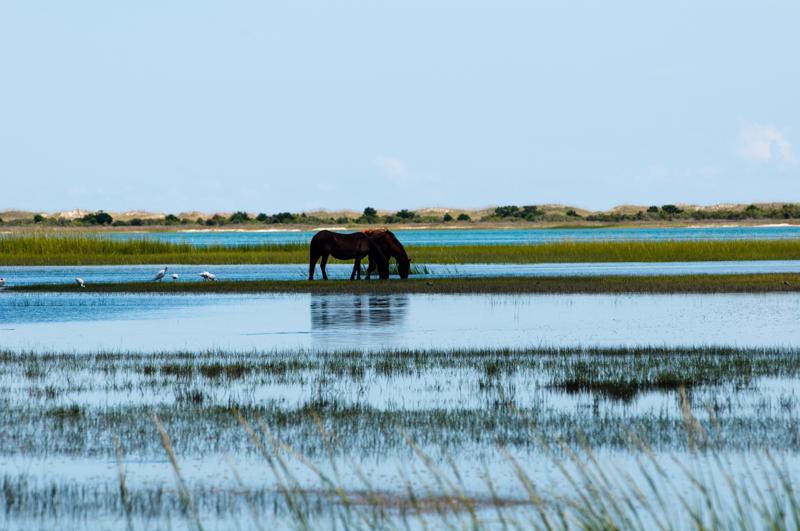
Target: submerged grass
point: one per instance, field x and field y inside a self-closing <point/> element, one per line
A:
<point x="703" y="488"/>
<point x="746" y="283"/>
<point x="456" y="396"/>
<point x="187" y="409"/>
<point x="62" y="249"/>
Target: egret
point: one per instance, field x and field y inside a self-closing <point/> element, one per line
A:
<point x="160" y="274"/>
<point x="208" y="276"/>
<point x="174" y="276"/>
<point x="79" y="281"/>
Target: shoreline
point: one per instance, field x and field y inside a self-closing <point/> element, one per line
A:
<point x="476" y="225"/>
<point x="678" y="284"/>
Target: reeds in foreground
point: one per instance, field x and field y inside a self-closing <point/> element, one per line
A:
<point x="703" y="489"/>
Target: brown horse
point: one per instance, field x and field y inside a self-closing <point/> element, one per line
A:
<point x="346" y="247"/>
<point x="391" y="247"/>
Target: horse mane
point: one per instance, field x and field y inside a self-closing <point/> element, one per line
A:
<point x="398" y="252"/>
<point x="400" y="249"/>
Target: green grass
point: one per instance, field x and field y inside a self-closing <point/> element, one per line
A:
<point x="61" y="249"/>
<point x="753" y="283"/>
<point x="87" y="250"/>
<point x="661" y="251"/>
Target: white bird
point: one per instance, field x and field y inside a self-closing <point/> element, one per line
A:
<point x="160" y="274"/>
<point x="2" y="282"/>
<point x="174" y="276"/>
<point x="208" y="276"/>
<point x="79" y="281"/>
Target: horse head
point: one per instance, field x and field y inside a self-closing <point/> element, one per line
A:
<point x="399" y="254"/>
<point x="403" y="268"/>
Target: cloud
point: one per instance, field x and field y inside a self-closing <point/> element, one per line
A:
<point x="765" y="144"/>
<point x="392" y="167"/>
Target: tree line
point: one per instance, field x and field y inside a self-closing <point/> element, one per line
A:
<point x="513" y="213"/>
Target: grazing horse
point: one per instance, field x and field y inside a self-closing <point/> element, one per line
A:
<point x="391" y="247"/>
<point x="345" y="247"/>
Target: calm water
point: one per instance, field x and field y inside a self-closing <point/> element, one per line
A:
<point x="123" y="322"/>
<point x="61" y="472"/>
<point x="25" y="275"/>
<point x="483" y="236"/>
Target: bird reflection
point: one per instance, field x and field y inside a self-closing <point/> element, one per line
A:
<point x="356" y="318"/>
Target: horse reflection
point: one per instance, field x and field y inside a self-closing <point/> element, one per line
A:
<point x="357" y="313"/>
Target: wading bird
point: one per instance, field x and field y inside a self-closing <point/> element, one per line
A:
<point x="174" y="276"/>
<point x="79" y="281"/>
<point x="2" y="282"/>
<point x="208" y="276"/>
<point x="160" y="275"/>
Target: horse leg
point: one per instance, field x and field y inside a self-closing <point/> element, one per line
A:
<point x="356" y="269"/>
<point x="370" y="269"/>
<point x="322" y="265"/>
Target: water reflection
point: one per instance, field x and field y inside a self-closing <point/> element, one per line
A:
<point x="88" y="322"/>
<point x="353" y="319"/>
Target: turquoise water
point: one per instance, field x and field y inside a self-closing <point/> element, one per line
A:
<point x="483" y="236"/>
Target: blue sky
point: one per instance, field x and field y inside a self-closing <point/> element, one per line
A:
<point x="268" y="106"/>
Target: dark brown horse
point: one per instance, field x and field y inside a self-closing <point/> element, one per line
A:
<point x="391" y="247"/>
<point x="346" y="247"/>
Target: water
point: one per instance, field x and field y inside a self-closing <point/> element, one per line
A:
<point x="27" y="275"/>
<point x="481" y="236"/>
<point x="68" y="465"/>
<point x="85" y="322"/>
<point x="59" y="469"/>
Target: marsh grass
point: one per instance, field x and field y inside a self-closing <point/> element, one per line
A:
<point x="600" y="496"/>
<point x="611" y="251"/>
<point x="75" y="249"/>
<point x="736" y="283"/>
<point x="72" y="249"/>
<point x="646" y="371"/>
<point x="702" y="488"/>
<point x="498" y="395"/>
<point x="305" y="445"/>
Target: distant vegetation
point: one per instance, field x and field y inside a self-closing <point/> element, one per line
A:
<point x="44" y="249"/>
<point x="653" y="213"/>
<point x="370" y="215"/>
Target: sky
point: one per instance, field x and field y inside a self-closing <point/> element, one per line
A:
<point x="176" y="105"/>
